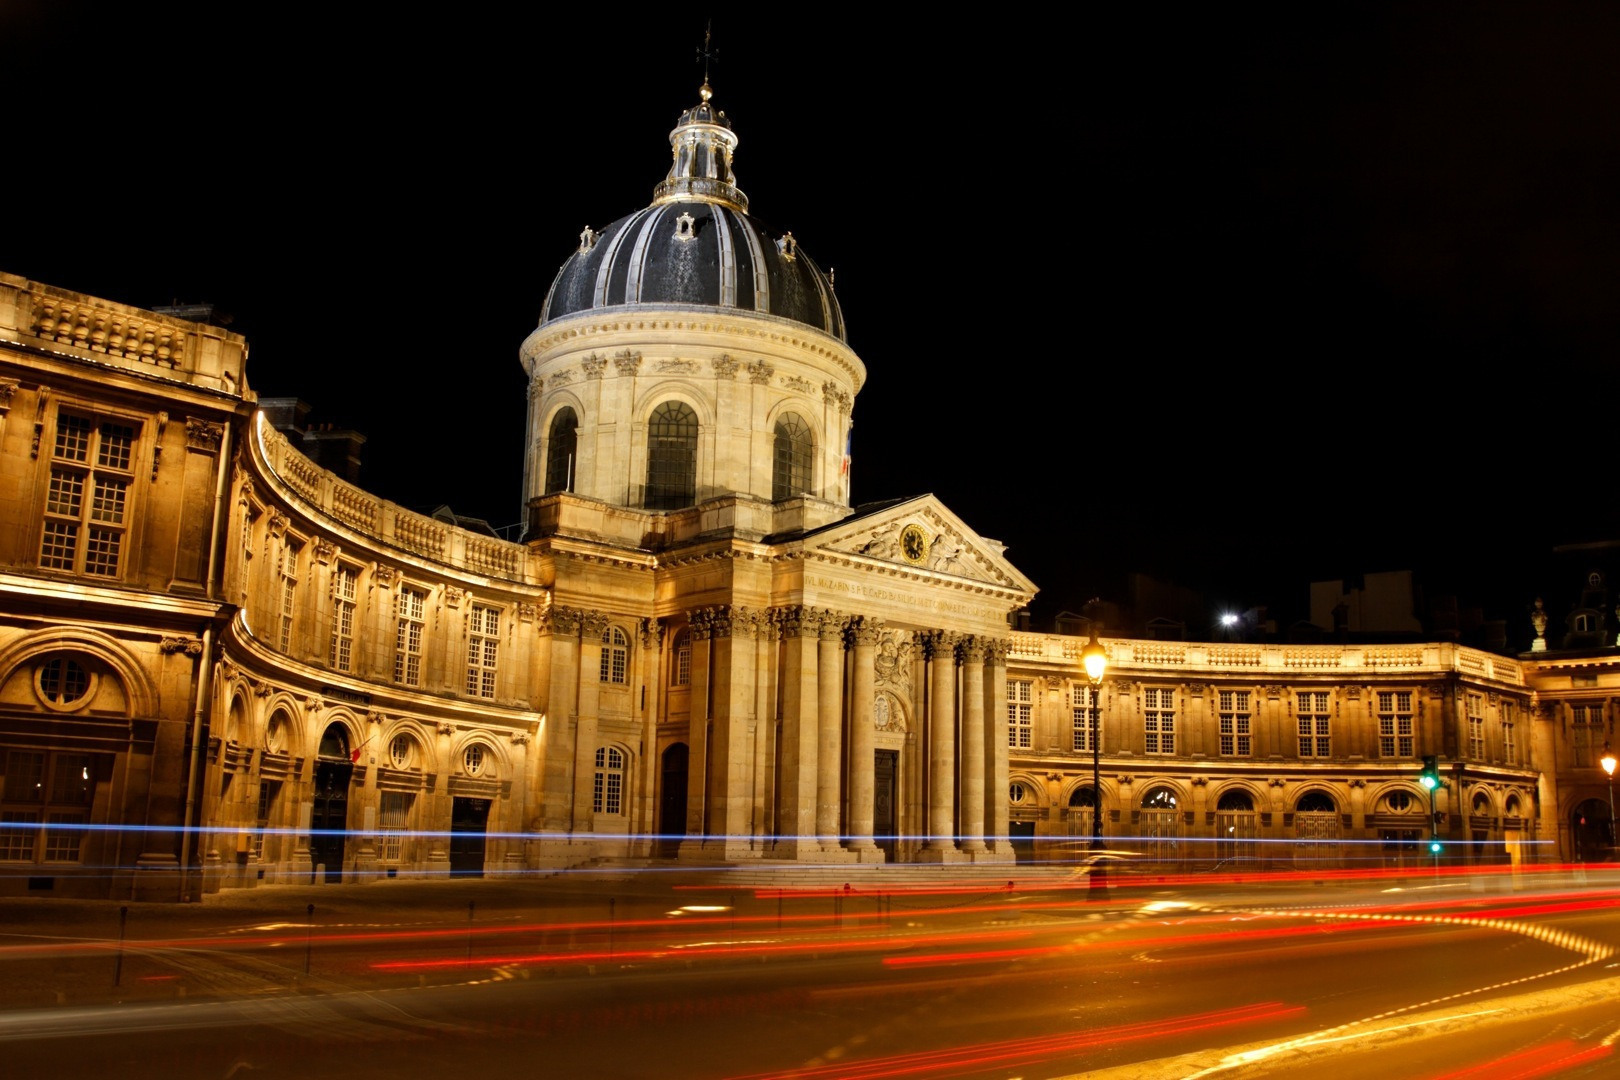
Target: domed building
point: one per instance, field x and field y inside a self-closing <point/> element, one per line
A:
<point x="782" y="668"/>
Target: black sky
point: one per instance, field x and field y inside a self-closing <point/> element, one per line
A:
<point x="1243" y="299"/>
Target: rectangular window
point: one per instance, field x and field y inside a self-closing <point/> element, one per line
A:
<point x="47" y="800"/>
<point x="1084" y="702"/>
<point x="483" y="644"/>
<point x="1312" y="717"/>
<point x="1475" y="704"/>
<point x="1235" y="717"/>
<point x="408" y="637"/>
<point x="394" y="813"/>
<point x="1395" y="723"/>
<point x="86" y="501"/>
<point x="343" y="592"/>
<point x="1586" y="733"/>
<point x="1020" y="713"/>
<point x="1510" y="748"/>
<point x="1159" y="720"/>
<point x="289" y="592"/>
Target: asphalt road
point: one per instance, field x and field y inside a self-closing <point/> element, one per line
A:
<point x="704" y="976"/>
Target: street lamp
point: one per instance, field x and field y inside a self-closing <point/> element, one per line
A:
<point x="1607" y="761"/>
<point x="1094" y="658"/>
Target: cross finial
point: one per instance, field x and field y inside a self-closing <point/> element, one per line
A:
<point x="705" y="53"/>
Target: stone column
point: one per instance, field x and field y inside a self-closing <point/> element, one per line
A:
<point x="561" y="708"/>
<point x="796" y="795"/>
<point x="941" y="652"/>
<point x="829" y="741"/>
<point x="764" y="729"/>
<point x="972" y="756"/>
<point x="996" y="811"/>
<point x="697" y="740"/>
<point x="730" y="795"/>
<point x="864" y="633"/>
<point x="650" y="667"/>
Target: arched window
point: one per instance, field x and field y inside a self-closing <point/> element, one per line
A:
<point x="615" y="655"/>
<point x="63" y="681"/>
<point x="1083" y="798"/>
<point x="682" y="675"/>
<point x="1315" y="802"/>
<point x="1235" y="802"/>
<point x="560" y="451"/>
<point x="608" y="792"/>
<point x="790" y="471"/>
<point x="335" y="742"/>
<point x="672" y="436"/>
<point x="402" y="752"/>
<point x="1159" y="799"/>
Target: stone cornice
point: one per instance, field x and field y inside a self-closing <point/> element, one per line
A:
<point x="636" y="321"/>
<point x="911" y="573"/>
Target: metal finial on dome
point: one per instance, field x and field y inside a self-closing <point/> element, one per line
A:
<point x="705" y="53"/>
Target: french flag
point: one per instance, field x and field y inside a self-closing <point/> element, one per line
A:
<point x="844" y="469"/>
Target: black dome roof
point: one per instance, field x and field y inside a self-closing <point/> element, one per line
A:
<point x="696" y="245"/>
<point x="701" y="253"/>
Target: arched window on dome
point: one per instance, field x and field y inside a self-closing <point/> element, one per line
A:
<point x="790" y="472"/>
<point x="672" y="435"/>
<point x="560" y="451"/>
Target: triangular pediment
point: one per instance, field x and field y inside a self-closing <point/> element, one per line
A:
<point x="923" y="536"/>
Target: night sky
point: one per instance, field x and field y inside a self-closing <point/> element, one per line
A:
<point x="1239" y="298"/>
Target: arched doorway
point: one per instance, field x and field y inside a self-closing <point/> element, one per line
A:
<point x="1022" y="809"/>
<point x="1589" y="832"/>
<point x="329" y="817"/>
<point x="1159" y="827"/>
<point x="672" y="800"/>
<point x="1084" y="819"/>
<point x="1316" y="831"/>
<point x="1236" y="830"/>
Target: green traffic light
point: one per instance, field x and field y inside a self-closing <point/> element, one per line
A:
<point x="1434" y="847"/>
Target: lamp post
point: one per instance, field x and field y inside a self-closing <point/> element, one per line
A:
<point x="1094" y="658"/>
<point x="1607" y="761"/>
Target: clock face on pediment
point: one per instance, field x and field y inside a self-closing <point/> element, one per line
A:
<point x="914" y="544"/>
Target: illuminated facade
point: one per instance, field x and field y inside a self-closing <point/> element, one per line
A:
<point x="218" y="655"/>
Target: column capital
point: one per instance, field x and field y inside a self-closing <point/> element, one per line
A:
<point x="865" y="630"/>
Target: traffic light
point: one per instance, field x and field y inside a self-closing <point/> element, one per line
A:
<point x="1430" y="776"/>
<point x="1434" y="847"/>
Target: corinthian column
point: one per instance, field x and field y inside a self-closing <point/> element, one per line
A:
<point x="796" y="790"/>
<point x="829" y="752"/>
<point x="972" y="650"/>
<point x="941" y="653"/>
<point x="864" y="633"/>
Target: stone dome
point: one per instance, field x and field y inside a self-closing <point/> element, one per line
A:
<point x="696" y="245"/>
